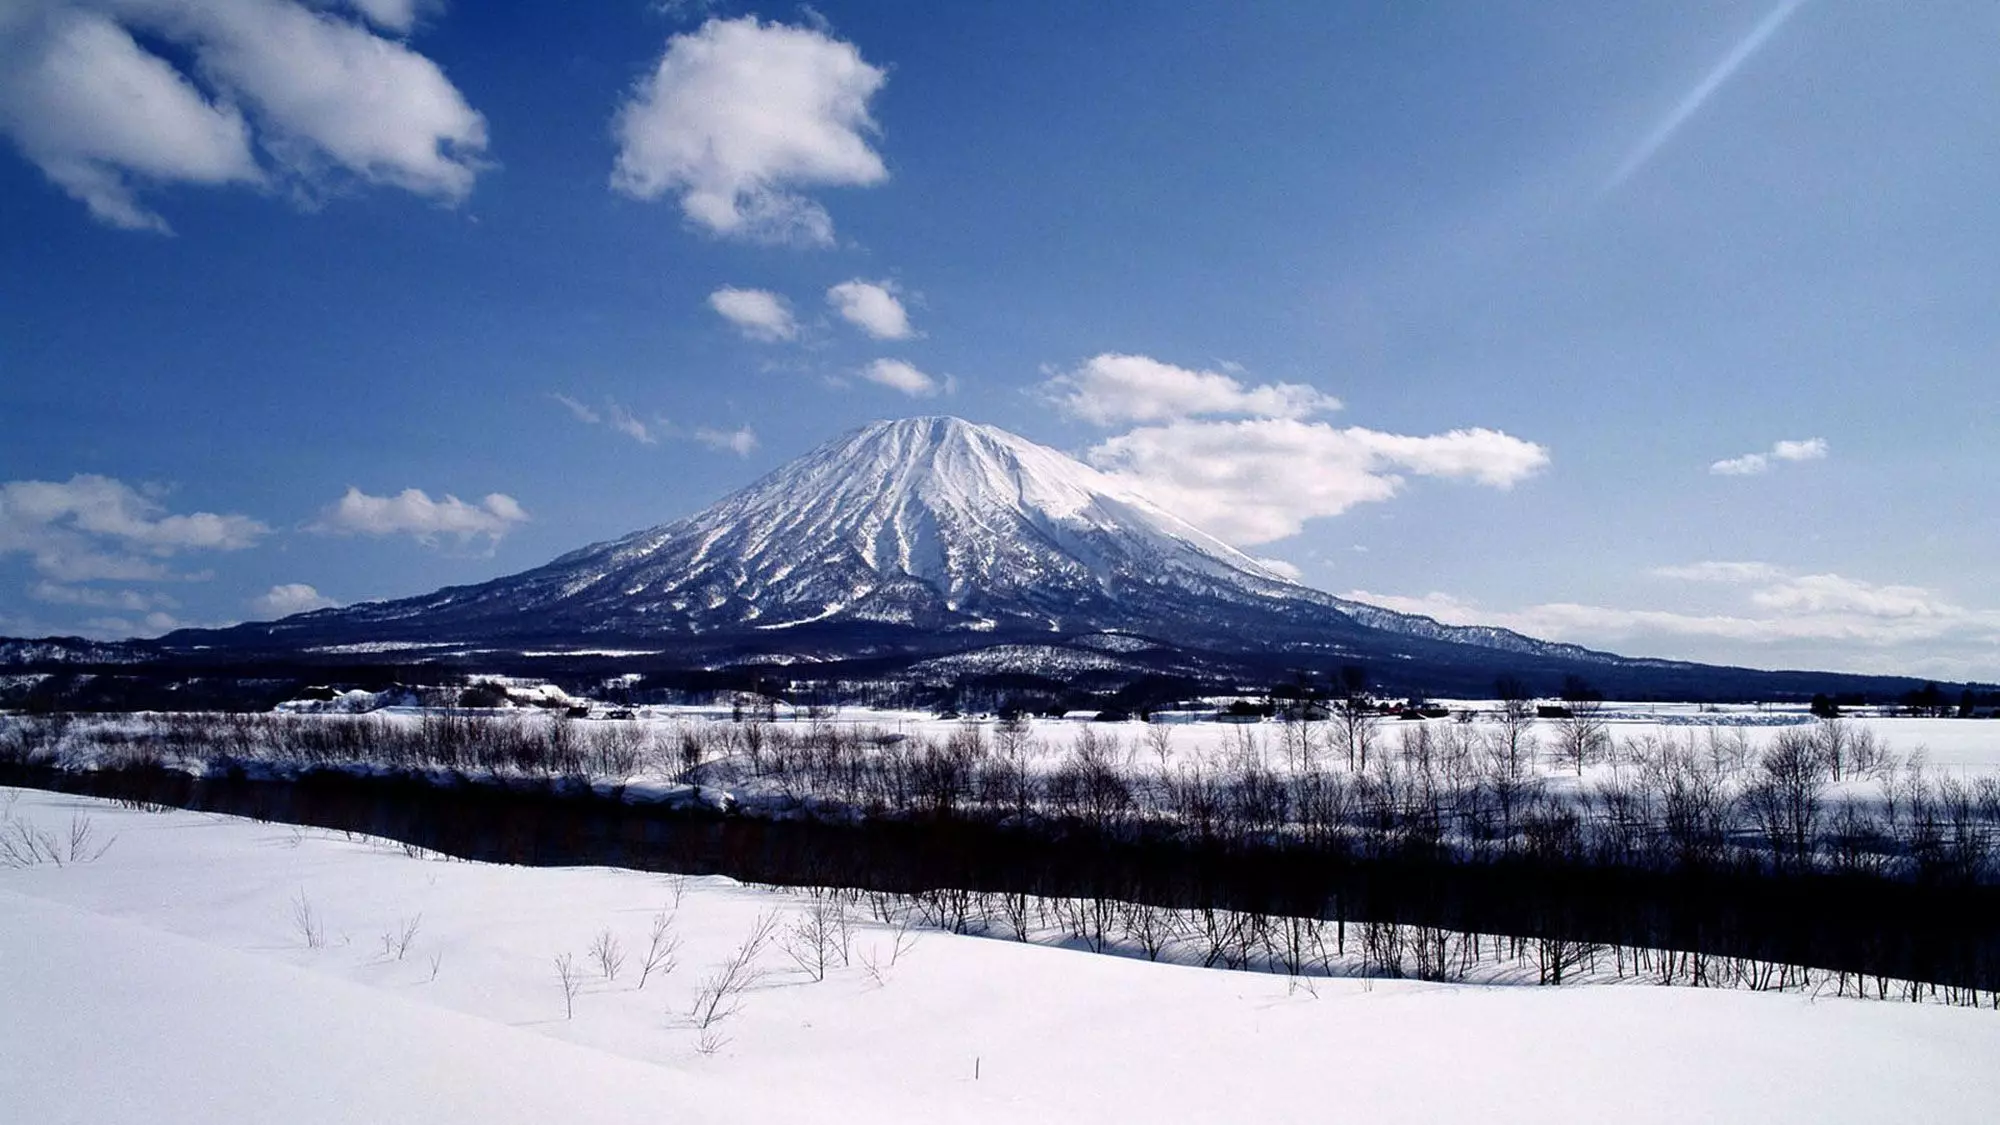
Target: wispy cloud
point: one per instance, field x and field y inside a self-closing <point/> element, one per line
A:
<point x="1688" y="106"/>
<point x="613" y="415"/>
<point x="577" y="410"/>
<point x="1751" y="464"/>
<point x="741" y="441"/>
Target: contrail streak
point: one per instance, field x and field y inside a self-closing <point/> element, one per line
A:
<point x="1705" y="89"/>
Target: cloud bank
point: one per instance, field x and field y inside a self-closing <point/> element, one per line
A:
<point x="1246" y="462"/>
<point x="94" y="527"/>
<point x="1779" y="617"/>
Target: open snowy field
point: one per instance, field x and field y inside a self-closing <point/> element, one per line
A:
<point x="1963" y="746"/>
<point x="207" y="969"/>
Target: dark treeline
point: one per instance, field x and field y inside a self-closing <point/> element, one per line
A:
<point x="1699" y="845"/>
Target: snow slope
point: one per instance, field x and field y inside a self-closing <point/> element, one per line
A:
<point x="165" y="982"/>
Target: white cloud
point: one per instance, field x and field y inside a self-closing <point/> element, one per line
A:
<point x="102" y="116"/>
<point x="1780" y="618"/>
<point x="117" y="628"/>
<point x="94" y="527"/>
<point x="1751" y="464"/>
<point x="128" y="601"/>
<point x="412" y="512"/>
<point x="1282" y="567"/>
<point x="395" y="15"/>
<point x="1776" y="588"/>
<point x="1256" y="480"/>
<point x="1811" y="449"/>
<point x="898" y="375"/>
<point x="1111" y="388"/>
<point x="288" y="598"/>
<point x="1730" y="572"/>
<point x="741" y="441"/>
<point x="93" y="110"/>
<point x="737" y="114"/>
<point x="872" y="307"/>
<point x="757" y="313"/>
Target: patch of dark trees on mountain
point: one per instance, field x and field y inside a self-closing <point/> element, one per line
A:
<point x="1697" y="852"/>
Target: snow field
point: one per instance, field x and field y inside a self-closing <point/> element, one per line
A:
<point x="170" y="980"/>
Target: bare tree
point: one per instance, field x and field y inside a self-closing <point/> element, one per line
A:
<point x="1515" y="741"/>
<point x="1354" y="718"/>
<point x="1582" y="735"/>
<point x="817" y="936"/>
<point x="571" y="981"/>
<point x="1786" y="796"/>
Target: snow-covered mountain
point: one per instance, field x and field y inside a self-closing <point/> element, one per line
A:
<point x="922" y="534"/>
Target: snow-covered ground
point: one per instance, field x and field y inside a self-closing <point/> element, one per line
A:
<point x="172" y="980"/>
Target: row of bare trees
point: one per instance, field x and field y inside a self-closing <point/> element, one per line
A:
<point x="1823" y="797"/>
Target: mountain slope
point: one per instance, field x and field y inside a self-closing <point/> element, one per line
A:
<point x="926" y="523"/>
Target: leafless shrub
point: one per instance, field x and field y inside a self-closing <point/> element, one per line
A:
<point x="876" y="966"/>
<point x="437" y="959"/>
<point x="661" y="946"/>
<point x="721" y="993"/>
<point x="25" y="844"/>
<point x="607" y="954"/>
<point x="396" y="943"/>
<point x="307" y="923"/>
<point x="710" y="1040"/>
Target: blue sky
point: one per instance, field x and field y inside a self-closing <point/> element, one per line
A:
<point x="1663" y="328"/>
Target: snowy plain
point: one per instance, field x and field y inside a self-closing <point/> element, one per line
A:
<point x="170" y="981"/>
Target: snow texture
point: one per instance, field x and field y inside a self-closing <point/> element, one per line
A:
<point x="166" y="983"/>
